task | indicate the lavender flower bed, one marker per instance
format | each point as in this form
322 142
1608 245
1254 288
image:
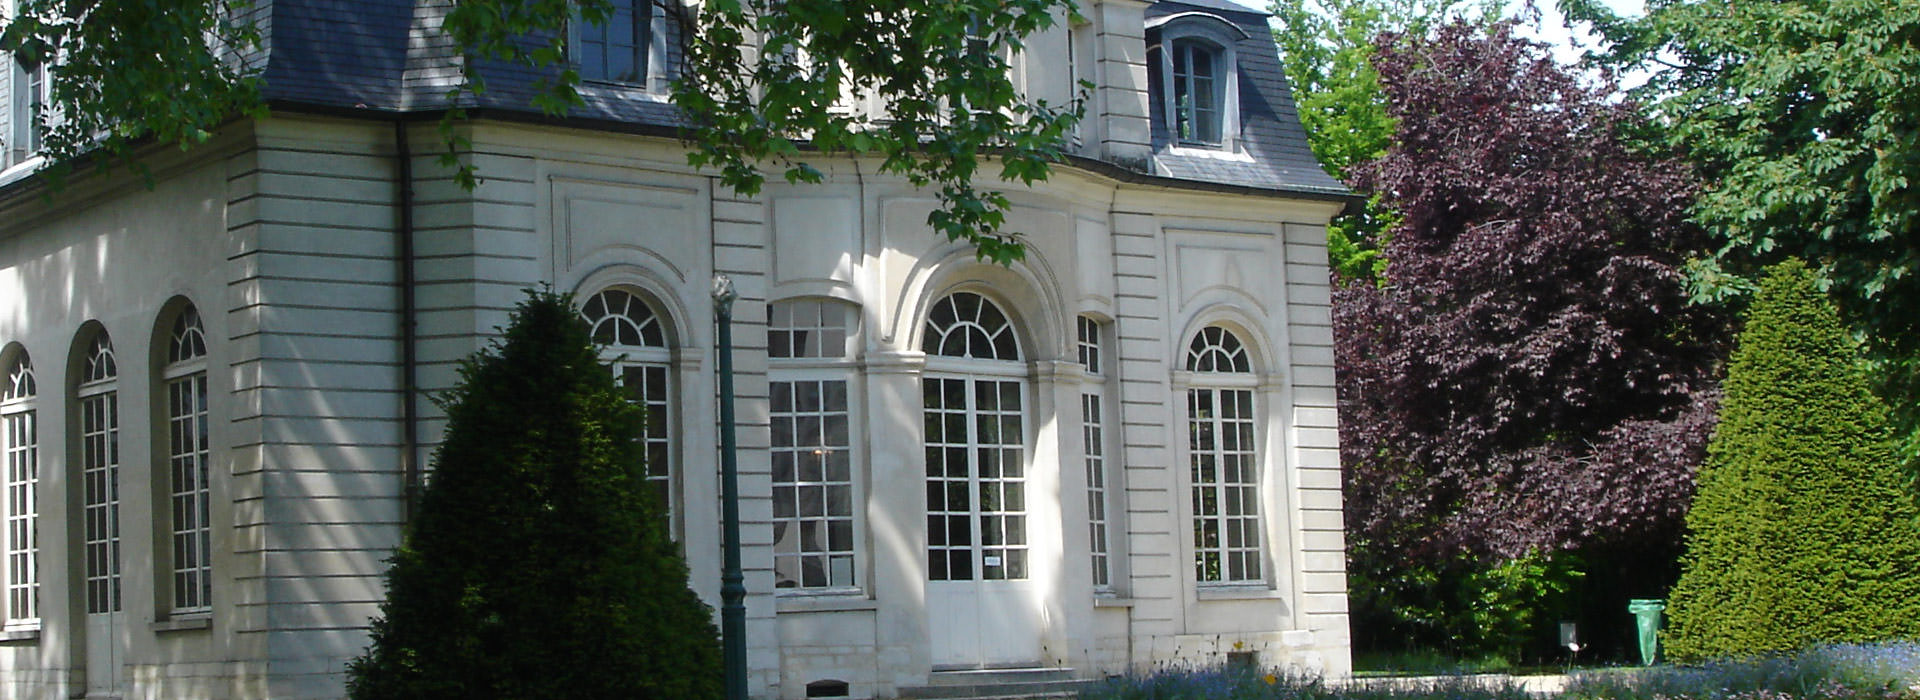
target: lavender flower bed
1835 672
1829 672
1242 684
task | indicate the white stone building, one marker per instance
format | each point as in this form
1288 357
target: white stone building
1118 453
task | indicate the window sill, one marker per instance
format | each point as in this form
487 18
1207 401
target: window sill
1210 152
21 170
624 89
823 602
183 624
1109 601
25 634
1253 592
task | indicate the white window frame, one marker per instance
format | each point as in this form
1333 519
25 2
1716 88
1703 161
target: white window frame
620 358
20 456
99 385
189 566
972 371
828 365
1096 411
1212 385
1221 37
32 87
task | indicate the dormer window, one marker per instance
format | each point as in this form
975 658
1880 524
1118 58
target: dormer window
618 49
1193 72
29 104
1198 92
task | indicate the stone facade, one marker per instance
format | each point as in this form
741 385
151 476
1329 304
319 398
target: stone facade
285 237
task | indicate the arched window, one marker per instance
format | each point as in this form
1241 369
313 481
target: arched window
19 439
100 476
1223 459
811 408
974 413
968 325
184 377
635 348
1093 432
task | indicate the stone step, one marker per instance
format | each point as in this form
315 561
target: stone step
997 684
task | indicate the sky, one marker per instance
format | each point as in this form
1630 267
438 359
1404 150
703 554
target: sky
1552 30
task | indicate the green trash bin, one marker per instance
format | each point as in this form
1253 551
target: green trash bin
1646 613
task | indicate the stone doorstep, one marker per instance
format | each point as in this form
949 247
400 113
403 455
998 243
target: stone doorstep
997 684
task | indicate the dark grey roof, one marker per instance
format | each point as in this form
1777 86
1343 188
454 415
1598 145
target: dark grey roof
1219 6
1270 131
388 56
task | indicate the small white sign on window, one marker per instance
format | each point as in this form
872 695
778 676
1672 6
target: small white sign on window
993 561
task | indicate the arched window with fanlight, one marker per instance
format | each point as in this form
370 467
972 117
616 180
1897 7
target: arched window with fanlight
633 338
1223 458
974 395
99 482
189 564
19 442
812 413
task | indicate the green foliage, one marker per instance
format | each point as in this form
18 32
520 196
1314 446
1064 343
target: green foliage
535 566
939 68
122 72
1800 115
761 81
1496 612
1804 528
1327 49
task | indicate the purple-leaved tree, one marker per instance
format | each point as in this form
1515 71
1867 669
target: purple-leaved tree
1528 378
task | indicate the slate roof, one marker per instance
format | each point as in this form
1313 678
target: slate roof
1270 131
383 56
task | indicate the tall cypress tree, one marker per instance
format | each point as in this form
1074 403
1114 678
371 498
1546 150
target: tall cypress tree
1804 528
535 566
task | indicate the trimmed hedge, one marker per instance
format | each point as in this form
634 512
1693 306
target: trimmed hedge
536 566
1804 528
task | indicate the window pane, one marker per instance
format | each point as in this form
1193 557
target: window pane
1225 483
813 462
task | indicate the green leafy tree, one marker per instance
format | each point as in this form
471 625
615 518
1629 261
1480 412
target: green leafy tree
121 72
760 81
1327 50
1799 114
536 566
1804 529
759 84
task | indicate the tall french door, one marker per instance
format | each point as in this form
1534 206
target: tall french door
982 607
100 542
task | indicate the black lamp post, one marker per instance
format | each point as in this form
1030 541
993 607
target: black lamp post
733 587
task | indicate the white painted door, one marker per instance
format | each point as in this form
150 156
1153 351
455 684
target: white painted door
100 513
982 605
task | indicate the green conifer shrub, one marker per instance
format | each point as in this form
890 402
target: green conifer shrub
1804 528
536 566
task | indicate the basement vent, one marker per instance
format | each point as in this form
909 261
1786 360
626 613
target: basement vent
1243 660
827 689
